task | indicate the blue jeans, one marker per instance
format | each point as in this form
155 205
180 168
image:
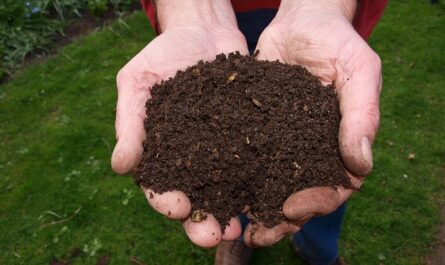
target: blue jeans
317 241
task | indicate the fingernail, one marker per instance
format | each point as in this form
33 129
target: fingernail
119 162
302 220
367 154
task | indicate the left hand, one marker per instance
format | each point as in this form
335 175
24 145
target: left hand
192 30
319 36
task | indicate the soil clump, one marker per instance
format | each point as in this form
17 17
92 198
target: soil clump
237 131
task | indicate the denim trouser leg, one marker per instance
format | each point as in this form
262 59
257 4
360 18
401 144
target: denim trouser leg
317 241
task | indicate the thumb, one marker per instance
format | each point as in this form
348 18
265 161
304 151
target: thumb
133 92
359 106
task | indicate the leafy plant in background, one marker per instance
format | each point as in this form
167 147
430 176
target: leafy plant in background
23 29
97 7
28 27
59 8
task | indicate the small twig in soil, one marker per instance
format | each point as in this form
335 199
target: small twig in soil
232 77
256 102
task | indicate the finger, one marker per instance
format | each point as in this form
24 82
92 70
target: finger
173 204
266 48
257 235
359 92
233 46
233 230
133 92
206 233
317 201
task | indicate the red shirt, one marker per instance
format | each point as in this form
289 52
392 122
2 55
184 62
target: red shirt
367 15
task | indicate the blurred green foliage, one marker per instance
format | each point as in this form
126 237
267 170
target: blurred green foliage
29 28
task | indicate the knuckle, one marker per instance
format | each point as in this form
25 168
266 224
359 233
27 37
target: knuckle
329 203
329 207
122 77
373 114
375 61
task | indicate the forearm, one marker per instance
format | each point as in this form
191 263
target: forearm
344 8
184 13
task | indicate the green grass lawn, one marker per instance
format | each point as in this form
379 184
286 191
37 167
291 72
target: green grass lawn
59 197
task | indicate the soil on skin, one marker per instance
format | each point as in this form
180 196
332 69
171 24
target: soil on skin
236 132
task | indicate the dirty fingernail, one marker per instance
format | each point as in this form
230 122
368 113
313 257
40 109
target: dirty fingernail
302 220
367 154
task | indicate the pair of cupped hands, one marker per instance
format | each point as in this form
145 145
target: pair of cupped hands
322 40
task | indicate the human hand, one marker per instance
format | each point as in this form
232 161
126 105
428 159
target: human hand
192 31
319 36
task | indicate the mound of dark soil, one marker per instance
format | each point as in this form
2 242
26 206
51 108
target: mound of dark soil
236 132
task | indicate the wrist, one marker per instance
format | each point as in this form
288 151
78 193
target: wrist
173 14
340 8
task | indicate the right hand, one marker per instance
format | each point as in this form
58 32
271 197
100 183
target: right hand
319 36
173 50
